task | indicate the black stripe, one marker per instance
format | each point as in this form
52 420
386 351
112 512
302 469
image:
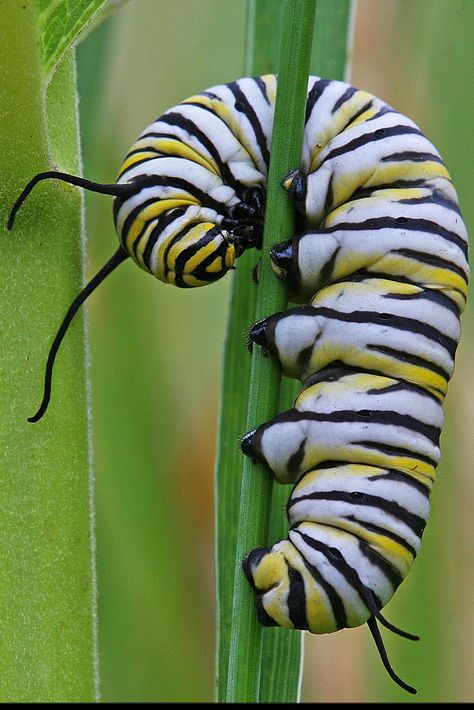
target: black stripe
400 386
415 522
410 359
394 475
174 118
335 372
436 198
364 274
391 474
346 96
200 271
396 322
376 135
295 461
190 251
327 269
356 115
137 239
412 156
164 220
174 240
253 119
314 95
181 184
389 450
392 573
131 217
378 530
351 416
337 605
401 223
158 155
432 260
263 88
296 598
362 193
426 294
337 369
337 560
329 197
383 110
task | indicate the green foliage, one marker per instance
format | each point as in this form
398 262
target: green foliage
47 584
280 649
60 22
154 372
245 657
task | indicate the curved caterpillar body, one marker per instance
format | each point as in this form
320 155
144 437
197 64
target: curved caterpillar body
380 274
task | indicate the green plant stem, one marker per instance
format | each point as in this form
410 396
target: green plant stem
282 649
263 16
246 634
47 628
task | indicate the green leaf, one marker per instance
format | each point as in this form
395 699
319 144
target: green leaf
332 42
61 22
47 580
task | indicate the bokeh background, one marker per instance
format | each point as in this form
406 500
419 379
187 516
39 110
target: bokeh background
156 360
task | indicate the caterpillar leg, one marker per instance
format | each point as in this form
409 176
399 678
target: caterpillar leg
294 182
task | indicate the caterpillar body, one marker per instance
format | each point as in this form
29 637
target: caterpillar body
380 275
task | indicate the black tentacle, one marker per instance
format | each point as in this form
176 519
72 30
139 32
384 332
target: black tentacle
368 597
119 256
374 630
118 190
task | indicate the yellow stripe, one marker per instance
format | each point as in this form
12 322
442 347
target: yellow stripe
432 277
339 213
224 112
143 240
215 266
390 549
152 212
135 158
368 114
271 575
357 453
191 237
203 253
176 148
407 170
270 84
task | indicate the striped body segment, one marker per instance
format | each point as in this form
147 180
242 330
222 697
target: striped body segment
381 270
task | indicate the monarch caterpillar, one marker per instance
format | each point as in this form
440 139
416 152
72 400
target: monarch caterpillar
380 274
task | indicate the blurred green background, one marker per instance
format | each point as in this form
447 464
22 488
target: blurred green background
155 363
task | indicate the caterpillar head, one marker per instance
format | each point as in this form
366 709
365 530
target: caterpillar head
203 254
